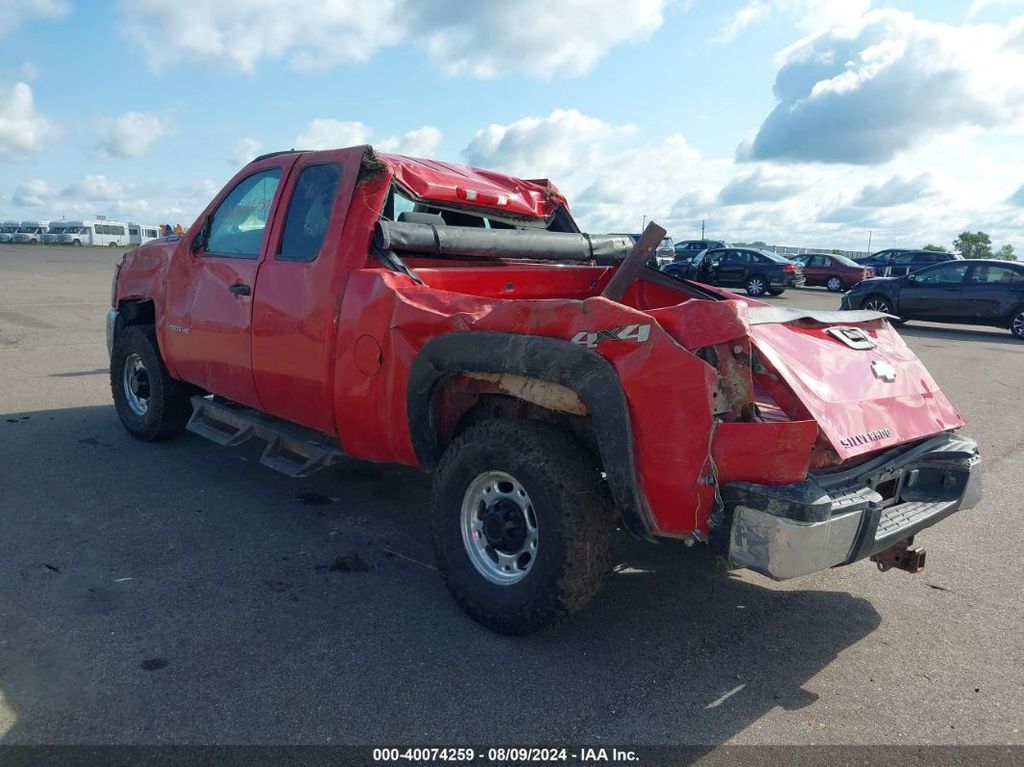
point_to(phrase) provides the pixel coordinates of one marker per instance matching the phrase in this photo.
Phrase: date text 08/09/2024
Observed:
(504, 754)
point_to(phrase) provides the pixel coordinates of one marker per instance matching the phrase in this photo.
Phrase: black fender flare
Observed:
(588, 374)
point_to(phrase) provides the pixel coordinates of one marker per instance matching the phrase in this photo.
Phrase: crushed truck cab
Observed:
(350, 304)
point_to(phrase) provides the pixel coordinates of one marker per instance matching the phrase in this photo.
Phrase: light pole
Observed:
(869, 240)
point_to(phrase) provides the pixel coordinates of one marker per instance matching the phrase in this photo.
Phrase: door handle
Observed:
(240, 289)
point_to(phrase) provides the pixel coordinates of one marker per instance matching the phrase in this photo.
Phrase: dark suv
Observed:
(689, 248)
(754, 270)
(896, 262)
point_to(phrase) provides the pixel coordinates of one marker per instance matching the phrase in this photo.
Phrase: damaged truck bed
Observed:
(353, 304)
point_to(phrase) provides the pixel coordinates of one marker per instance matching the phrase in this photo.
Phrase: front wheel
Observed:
(776, 291)
(151, 405)
(756, 285)
(878, 304)
(834, 284)
(1017, 325)
(521, 525)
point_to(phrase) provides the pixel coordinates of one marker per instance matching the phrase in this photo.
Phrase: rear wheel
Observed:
(151, 405)
(112, 244)
(756, 285)
(521, 526)
(835, 283)
(77, 243)
(1017, 324)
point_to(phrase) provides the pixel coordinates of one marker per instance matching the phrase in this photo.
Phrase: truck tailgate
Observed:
(859, 380)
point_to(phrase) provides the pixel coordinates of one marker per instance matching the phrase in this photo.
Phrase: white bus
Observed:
(31, 232)
(7, 230)
(98, 232)
(139, 234)
(53, 235)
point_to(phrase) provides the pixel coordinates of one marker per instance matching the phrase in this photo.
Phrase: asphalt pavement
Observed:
(182, 593)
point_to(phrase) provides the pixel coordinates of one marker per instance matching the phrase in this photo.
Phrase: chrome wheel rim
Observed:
(755, 286)
(135, 379)
(1018, 325)
(499, 527)
(877, 305)
(834, 284)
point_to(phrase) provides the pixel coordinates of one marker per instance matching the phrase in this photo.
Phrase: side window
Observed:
(308, 213)
(947, 274)
(819, 261)
(996, 275)
(903, 259)
(239, 221)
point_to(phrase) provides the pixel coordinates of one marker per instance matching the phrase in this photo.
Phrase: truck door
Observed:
(297, 291)
(210, 289)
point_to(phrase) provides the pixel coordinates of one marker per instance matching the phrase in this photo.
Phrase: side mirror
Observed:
(203, 236)
(911, 278)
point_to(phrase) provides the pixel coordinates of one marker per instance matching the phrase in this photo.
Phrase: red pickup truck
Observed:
(350, 304)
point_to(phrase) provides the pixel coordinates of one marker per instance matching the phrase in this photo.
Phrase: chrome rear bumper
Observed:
(840, 517)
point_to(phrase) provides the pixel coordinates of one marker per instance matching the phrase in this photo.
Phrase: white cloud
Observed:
(95, 188)
(533, 146)
(327, 133)
(980, 5)
(756, 187)
(32, 192)
(609, 177)
(462, 36)
(245, 150)
(14, 13)
(422, 142)
(485, 39)
(863, 94)
(131, 134)
(809, 15)
(898, 190)
(22, 128)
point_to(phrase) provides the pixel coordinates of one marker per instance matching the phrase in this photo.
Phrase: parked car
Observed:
(756, 271)
(345, 303)
(689, 248)
(664, 255)
(837, 273)
(895, 262)
(972, 292)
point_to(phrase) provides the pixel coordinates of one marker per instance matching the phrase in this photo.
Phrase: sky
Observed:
(814, 123)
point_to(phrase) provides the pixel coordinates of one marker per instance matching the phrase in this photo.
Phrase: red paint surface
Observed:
(299, 346)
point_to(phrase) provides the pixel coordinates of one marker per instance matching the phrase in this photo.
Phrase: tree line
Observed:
(977, 245)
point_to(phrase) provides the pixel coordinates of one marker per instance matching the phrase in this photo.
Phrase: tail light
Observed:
(483, 198)
(789, 268)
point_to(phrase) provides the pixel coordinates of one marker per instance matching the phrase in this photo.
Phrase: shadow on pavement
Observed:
(180, 592)
(945, 333)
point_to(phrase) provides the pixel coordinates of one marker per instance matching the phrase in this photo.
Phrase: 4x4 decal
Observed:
(591, 338)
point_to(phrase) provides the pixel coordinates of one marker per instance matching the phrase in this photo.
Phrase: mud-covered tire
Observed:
(574, 521)
(167, 406)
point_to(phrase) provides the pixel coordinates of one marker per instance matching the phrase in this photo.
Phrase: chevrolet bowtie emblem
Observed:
(883, 371)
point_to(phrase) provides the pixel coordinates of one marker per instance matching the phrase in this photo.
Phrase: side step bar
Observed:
(291, 449)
